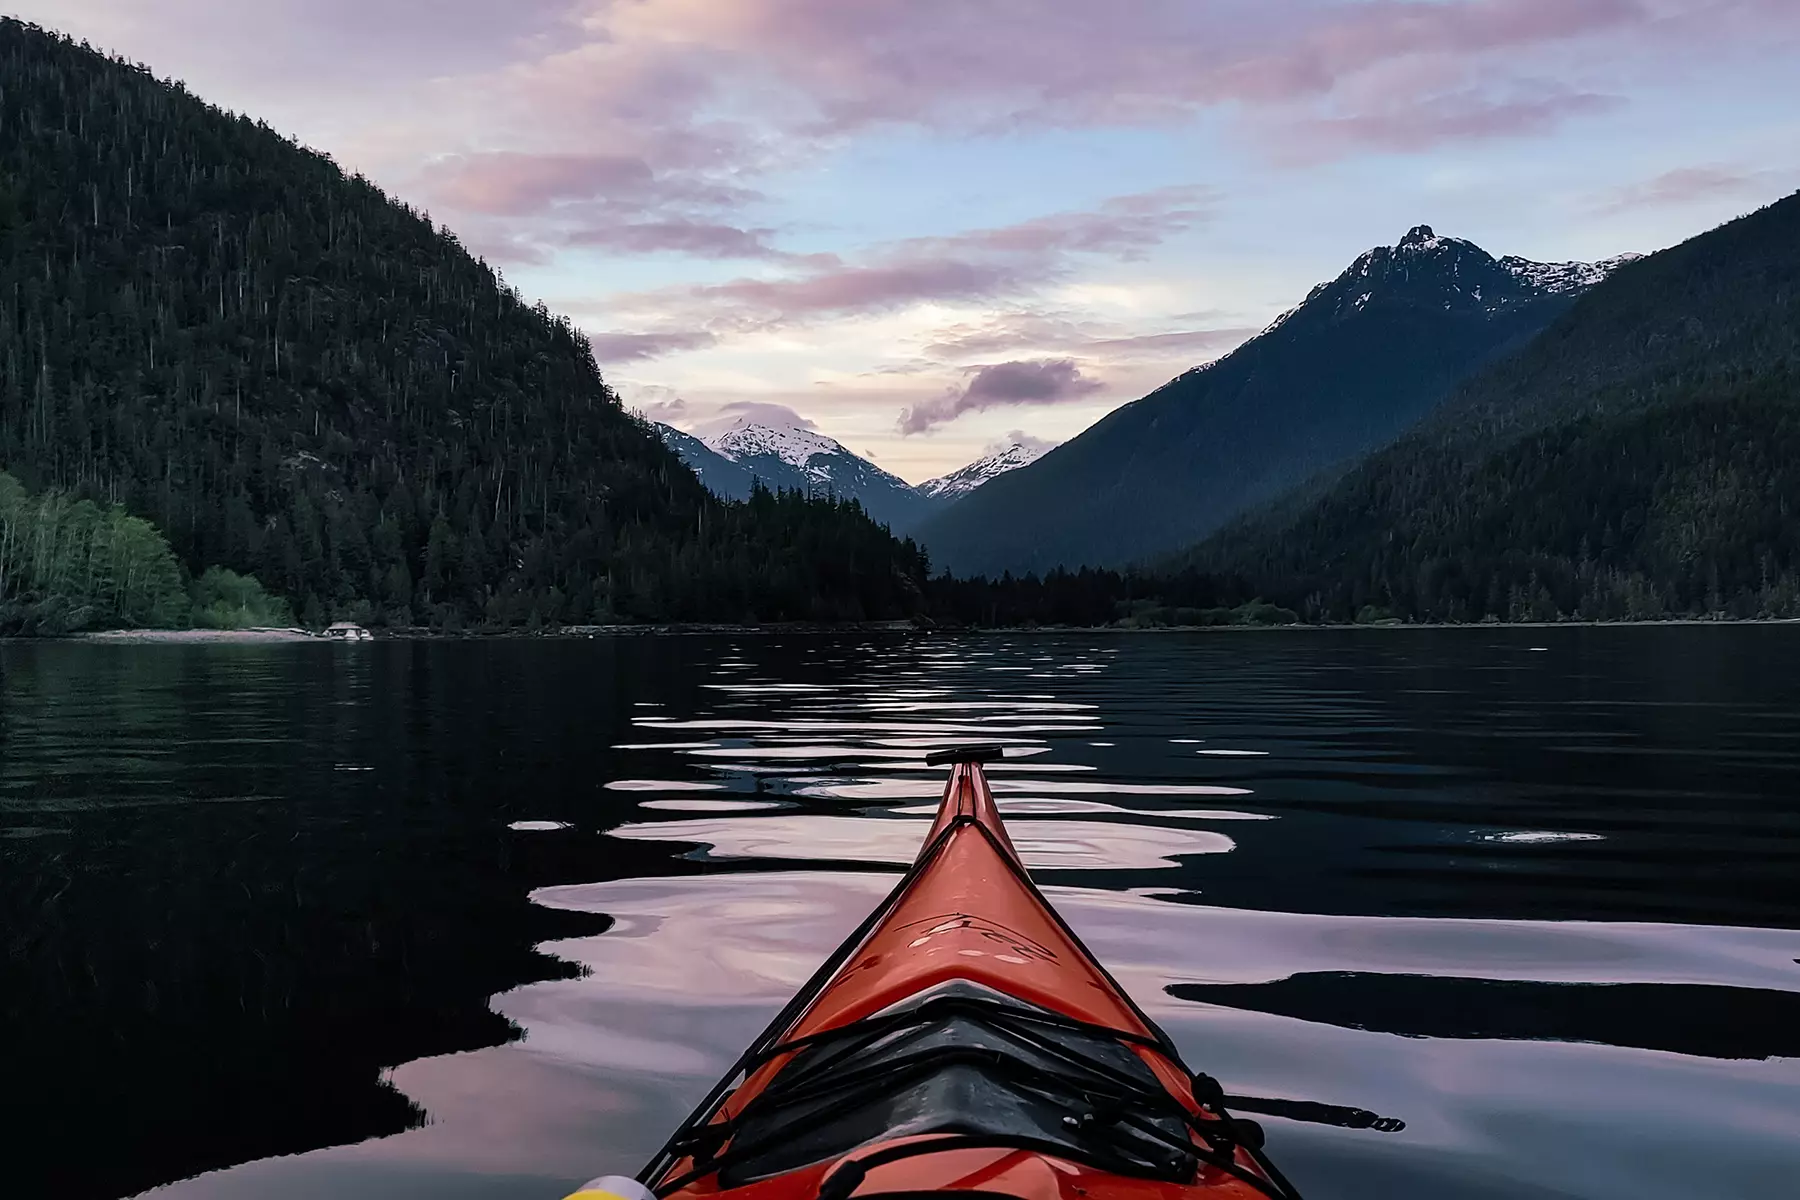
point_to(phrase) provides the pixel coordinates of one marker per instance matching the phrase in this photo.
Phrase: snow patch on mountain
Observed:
(989, 466)
(1560, 277)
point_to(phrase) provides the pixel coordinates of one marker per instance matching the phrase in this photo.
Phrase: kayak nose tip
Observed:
(612, 1187)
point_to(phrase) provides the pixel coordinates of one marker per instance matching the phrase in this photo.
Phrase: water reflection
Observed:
(1417, 873)
(692, 967)
(1044, 845)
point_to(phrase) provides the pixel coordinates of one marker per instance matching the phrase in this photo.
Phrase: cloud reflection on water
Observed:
(1044, 845)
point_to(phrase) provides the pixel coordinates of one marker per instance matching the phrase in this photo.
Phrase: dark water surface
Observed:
(457, 920)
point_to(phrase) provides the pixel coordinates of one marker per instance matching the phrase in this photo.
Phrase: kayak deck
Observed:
(964, 1040)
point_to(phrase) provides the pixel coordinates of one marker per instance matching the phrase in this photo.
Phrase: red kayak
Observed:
(964, 1040)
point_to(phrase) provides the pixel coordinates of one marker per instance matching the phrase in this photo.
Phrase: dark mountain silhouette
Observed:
(1362, 359)
(293, 375)
(1637, 459)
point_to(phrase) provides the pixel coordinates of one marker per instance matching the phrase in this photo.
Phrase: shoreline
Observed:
(191, 636)
(588, 632)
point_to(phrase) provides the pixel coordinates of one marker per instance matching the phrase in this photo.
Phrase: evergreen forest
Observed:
(1635, 461)
(296, 378)
(240, 386)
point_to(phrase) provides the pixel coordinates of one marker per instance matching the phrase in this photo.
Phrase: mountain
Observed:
(719, 475)
(1639, 458)
(789, 456)
(291, 374)
(988, 467)
(1350, 368)
(792, 456)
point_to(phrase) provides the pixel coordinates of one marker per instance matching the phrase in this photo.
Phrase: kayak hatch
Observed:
(964, 1040)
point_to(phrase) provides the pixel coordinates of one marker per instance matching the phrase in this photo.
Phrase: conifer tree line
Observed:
(294, 377)
(318, 400)
(1636, 461)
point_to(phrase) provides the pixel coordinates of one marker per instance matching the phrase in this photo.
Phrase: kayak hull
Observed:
(986, 1043)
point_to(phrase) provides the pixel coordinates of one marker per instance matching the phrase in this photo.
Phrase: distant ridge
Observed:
(1347, 370)
(792, 456)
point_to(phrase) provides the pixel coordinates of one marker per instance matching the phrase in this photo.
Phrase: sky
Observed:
(926, 227)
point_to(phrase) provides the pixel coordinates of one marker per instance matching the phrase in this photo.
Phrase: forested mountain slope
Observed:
(1351, 368)
(291, 374)
(1637, 459)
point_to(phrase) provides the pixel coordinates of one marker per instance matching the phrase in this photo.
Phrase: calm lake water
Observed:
(482, 920)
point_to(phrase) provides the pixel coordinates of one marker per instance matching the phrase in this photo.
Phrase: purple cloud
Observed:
(638, 91)
(761, 412)
(701, 239)
(1124, 226)
(864, 289)
(976, 265)
(1684, 185)
(1465, 117)
(1001, 385)
(1068, 334)
(1203, 341)
(1074, 62)
(1018, 437)
(512, 183)
(635, 347)
(662, 405)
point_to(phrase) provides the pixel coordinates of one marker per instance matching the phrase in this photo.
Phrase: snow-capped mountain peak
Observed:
(792, 444)
(786, 455)
(1454, 274)
(989, 466)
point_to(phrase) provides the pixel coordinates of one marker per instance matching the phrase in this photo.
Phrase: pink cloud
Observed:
(1018, 437)
(1054, 381)
(761, 412)
(1069, 62)
(1124, 226)
(648, 120)
(635, 347)
(1685, 185)
(1465, 117)
(1202, 341)
(979, 264)
(1069, 334)
(513, 183)
(702, 239)
(661, 404)
(863, 289)
(674, 104)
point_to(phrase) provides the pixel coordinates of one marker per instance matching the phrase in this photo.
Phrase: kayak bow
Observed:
(962, 1040)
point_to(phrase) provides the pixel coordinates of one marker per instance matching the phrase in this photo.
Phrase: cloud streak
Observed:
(701, 239)
(1685, 185)
(1070, 334)
(977, 265)
(636, 347)
(1465, 117)
(1002, 385)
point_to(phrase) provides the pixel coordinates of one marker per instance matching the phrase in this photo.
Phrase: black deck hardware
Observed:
(965, 754)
